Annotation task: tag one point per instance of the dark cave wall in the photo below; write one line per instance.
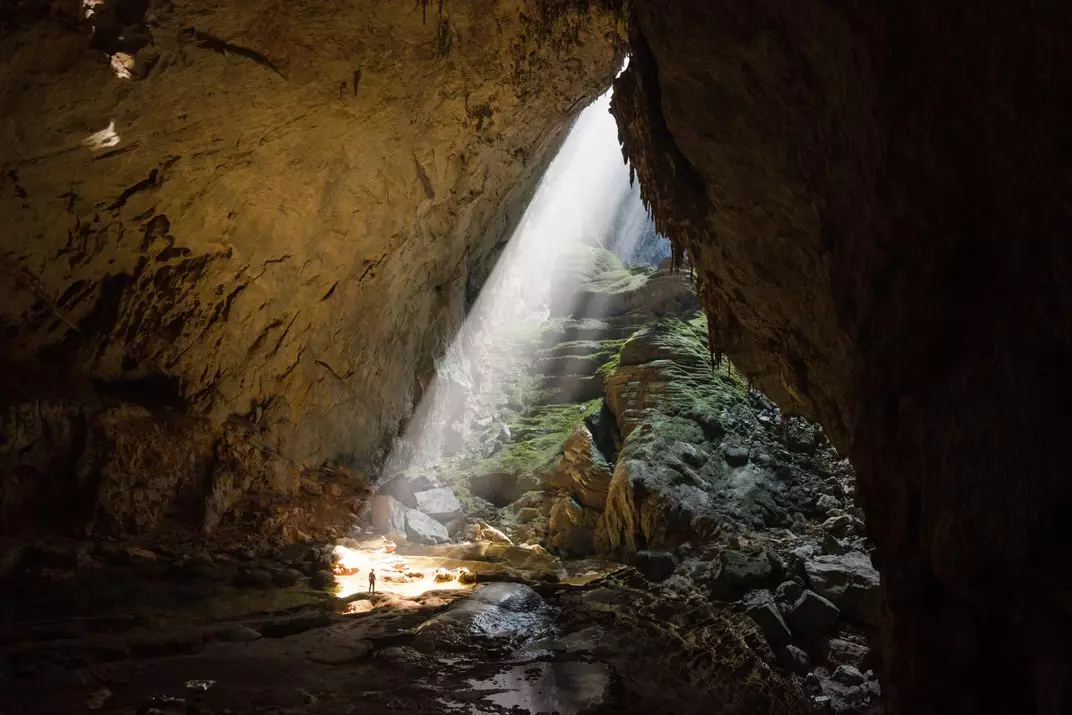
(285, 231)
(873, 199)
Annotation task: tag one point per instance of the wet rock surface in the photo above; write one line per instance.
(718, 499)
(494, 648)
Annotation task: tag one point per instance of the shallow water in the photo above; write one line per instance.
(542, 687)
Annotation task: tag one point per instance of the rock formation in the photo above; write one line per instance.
(270, 215)
(236, 236)
(867, 193)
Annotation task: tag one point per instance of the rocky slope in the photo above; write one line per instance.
(629, 444)
(867, 194)
(266, 179)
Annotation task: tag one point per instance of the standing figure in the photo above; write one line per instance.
(372, 581)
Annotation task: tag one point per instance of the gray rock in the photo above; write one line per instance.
(495, 611)
(841, 651)
(812, 615)
(440, 504)
(793, 659)
(735, 455)
(388, 514)
(851, 582)
(842, 525)
(401, 488)
(746, 570)
(847, 675)
(827, 502)
(760, 607)
(831, 546)
(688, 454)
(424, 529)
(787, 593)
(655, 565)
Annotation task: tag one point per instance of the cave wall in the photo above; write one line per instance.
(299, 198)
(873, 198)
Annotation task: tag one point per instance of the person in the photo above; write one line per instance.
(372, 581)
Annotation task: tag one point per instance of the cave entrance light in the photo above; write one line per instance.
(584, 198)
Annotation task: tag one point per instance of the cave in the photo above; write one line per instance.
(803, 451)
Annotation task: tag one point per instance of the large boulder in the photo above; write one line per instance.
(655, 565)
(571, 528)
(761, 608)
(851, 582)
(582, 470)
(498, 611)
(440, 504)
(424, 529)
(388, 514)
(812, 615)
(653, 503)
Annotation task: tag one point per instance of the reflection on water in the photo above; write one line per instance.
(566, 688)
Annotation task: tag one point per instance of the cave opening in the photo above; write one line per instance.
(215, 425)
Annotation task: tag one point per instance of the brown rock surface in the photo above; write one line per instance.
(298, 205)
(867, 195)
(279, 171)
(582, 470)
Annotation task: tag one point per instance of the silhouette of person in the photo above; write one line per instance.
(372, 581)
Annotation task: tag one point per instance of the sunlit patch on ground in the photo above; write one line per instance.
(407, 576)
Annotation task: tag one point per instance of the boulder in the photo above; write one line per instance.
(655, 565)
(388, 514)
(793, 659)
(440, 504)
(653, 503)
(400, 488)
(480, 531)
(812, 615)
(760, 607)
(571, 528)
(582, 470)
(744, 570)
(842, 525)
(840, 651)
(735, 455)
(826, 502)
(847, 675)
(787, 594)
(424, 529)
(494, 611)
(527, 514)
(537, 499)
(851, 582)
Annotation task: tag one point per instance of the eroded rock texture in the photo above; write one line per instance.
(870, 197)
(279, 217)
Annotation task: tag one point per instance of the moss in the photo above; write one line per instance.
(536, 439)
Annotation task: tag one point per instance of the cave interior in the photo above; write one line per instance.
(696, 357)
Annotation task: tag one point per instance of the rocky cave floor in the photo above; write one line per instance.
(645, 534)
(218, 632)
